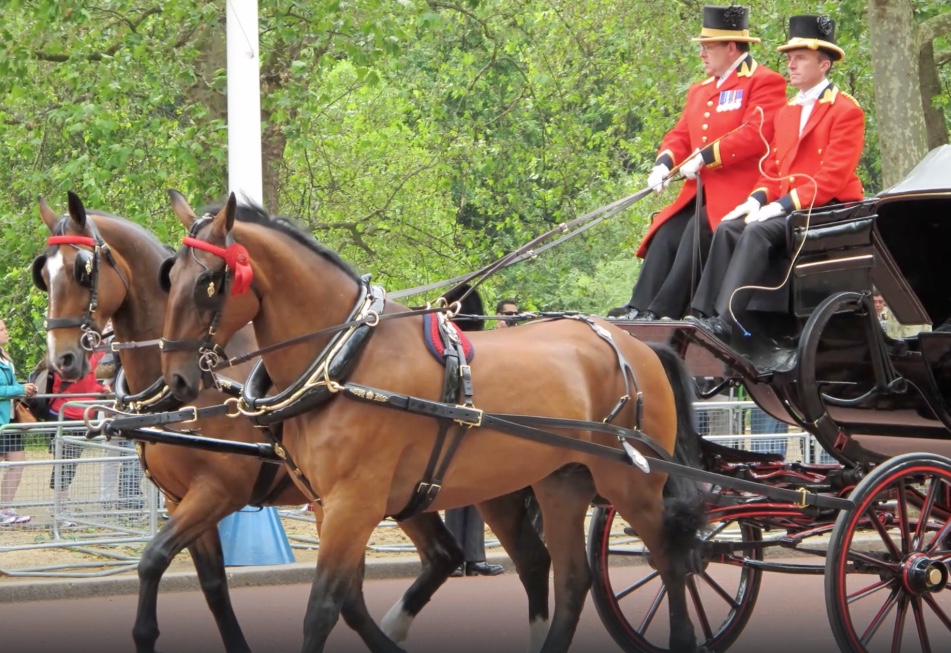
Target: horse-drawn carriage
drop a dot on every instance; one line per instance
(818, 358)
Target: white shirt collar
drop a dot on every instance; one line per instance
(733, 66)
(809, 96)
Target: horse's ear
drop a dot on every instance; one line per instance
(181, 208)
(50, 219)
(224, 221)
(76, 209)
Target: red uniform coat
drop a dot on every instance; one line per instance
(828, 151)
(88, 384)
(732, 164)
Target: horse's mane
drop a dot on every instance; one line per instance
(254, 214)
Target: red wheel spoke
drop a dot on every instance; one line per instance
(939, 540)
(638, 585)
(899, 628)
(921, 626)
(903, 526)
(937, 609)
(716, 531)
(652, 611)
(880, 617)
(925, 515)
(886, 538)
(872, 561)
(698, 606)
(719, 590)
(868, 591)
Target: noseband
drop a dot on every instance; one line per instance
(86, 274)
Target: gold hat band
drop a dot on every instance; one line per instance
(710, 34)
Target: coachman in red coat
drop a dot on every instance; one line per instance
(720, 137)
(819, 136)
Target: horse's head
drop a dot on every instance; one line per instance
(85, 282)
(208, 299)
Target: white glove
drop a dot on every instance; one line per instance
(657, 179)
(771, 210)
(746, 208)
(691, 167)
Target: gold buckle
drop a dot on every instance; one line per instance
(194, 417)
(475, 424)
(803, 494)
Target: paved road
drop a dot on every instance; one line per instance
(468, 615)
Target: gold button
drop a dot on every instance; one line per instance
(709, 103)
(792, 179)
(707, 115)
(820, 150)
(704, 139)
(704, 128)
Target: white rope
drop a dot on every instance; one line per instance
(802, 242)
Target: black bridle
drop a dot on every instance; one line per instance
(211, 289)
(86, 274)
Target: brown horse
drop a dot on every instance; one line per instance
(365, 460)
(203, 487)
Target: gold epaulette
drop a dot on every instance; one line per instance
(841, 92)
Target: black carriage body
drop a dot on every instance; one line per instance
(824, 372)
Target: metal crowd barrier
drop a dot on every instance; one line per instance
(93, 530)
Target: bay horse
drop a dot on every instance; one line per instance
(365, 460)
(202, 487)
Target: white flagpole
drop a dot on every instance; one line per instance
(244, 102)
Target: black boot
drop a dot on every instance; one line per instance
(483, 569)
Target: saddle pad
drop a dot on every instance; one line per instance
(434, 341)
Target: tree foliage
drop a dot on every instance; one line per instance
(420, 138)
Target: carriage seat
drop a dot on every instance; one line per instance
(832, 259)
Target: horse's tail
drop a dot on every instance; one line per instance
(683, 515)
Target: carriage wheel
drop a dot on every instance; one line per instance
(887, 566)
(631, 599)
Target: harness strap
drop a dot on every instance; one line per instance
(191, 414)
(140, 452)
(524, 426)
(276, 433)
(456, 370)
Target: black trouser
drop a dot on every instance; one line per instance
(467, 527)
(671, 265)
(739, 256)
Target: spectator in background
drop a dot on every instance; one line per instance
(87, 385)
(508, 308)
(11, 443)
(120, 484)
(881, 311)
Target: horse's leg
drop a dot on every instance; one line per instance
(509, 519)
(565, 501)
(186, 522)
(209, 563)
(337, 587)
(439, 554)
(670, 551)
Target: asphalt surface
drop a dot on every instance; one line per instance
(17, 590)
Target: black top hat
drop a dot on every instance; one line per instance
(726, 24)
(814, 33)
(471, 305)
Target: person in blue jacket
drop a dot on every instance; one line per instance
(11, 442)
